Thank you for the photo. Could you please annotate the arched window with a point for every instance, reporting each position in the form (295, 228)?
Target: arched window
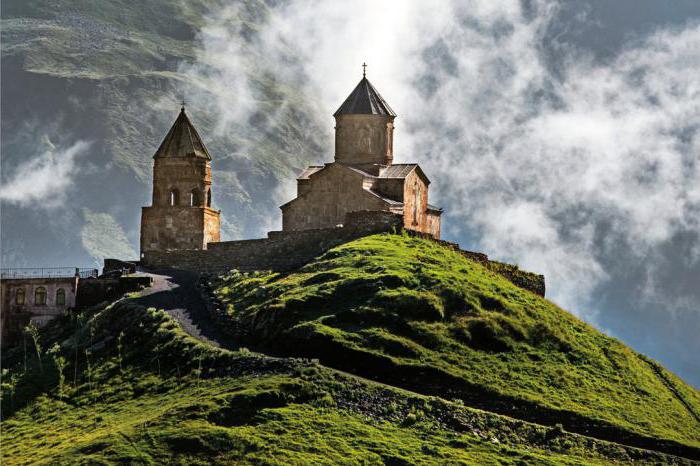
(40, 296)
(174, 197)
(195, 198)
(156, 196)
(60, 297)
(19, 296)
(208, 197)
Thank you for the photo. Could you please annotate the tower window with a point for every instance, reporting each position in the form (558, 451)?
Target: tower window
(195, 198)
(174, 197)
(156, 196)
(60, 297)
(208, 197)
(40, 296)
(19, 296)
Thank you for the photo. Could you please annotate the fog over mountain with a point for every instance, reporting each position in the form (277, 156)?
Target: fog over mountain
(563, 136)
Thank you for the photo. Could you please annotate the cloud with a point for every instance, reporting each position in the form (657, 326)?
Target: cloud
(559, 172)
(45, 179)
(542, 154)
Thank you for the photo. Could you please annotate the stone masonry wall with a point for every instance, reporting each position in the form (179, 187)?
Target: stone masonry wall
(288, 250)
(281, 250)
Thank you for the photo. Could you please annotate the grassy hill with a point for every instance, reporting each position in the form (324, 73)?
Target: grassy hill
(144, 392)
(408, 312)
(378, 352)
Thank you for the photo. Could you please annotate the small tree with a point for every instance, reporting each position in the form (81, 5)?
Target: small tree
(60, 363)
(120, 348)
(33, 332)
(80, 320)
(24, 344)
(9, 385)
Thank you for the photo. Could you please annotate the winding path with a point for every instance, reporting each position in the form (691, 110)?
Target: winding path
(175, 291)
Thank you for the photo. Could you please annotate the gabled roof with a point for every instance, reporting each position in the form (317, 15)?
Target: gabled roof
(182, 140)
(384, 198)
(365, 100)
(308, 171)
(402, 170)
(398, 170)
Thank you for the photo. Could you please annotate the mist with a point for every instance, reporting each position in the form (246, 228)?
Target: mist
(542, 154)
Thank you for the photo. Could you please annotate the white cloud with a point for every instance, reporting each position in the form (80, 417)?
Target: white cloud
(562, 174)
(45, 179)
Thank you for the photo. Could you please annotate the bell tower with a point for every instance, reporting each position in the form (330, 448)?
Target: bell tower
(180, 216)
(364, 129)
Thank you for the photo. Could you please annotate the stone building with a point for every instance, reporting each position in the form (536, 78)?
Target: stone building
(181, 216)
(34, 298)
(363, 176)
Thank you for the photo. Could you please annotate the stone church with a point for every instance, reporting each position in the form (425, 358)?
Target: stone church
(361, 192)
(363, 176)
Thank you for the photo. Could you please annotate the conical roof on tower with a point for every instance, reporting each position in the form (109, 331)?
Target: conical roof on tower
(182, 140)
(365, 100)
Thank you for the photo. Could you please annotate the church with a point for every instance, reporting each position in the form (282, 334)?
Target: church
(362, 178)
(361, 192)
(363, 175)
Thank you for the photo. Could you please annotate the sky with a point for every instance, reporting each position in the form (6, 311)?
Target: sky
(562, 136)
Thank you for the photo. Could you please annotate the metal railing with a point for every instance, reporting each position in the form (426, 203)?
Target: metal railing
(48, 272)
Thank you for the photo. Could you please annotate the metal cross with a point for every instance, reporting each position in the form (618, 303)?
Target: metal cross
(182, 104)
(364, 69)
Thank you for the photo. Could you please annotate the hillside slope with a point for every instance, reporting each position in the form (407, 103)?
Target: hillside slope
(409, 312)
(144, 392)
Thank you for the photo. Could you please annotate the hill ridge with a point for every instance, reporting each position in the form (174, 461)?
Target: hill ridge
(255, 311)
(204, 400)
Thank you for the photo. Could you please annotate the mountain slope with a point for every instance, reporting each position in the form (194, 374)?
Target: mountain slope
(113, 75)
(409, 312)
(144, 392)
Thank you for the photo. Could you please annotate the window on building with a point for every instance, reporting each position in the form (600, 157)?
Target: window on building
(208, 197)
(174, 197)
(195, 198)
(156, 196)
(19, 296)
(40, 296)
(60, 297)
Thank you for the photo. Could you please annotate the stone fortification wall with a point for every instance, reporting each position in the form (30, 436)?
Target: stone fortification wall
(280, 251)
(288, 250)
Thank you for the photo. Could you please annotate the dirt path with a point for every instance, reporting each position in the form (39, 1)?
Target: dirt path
(175, 292)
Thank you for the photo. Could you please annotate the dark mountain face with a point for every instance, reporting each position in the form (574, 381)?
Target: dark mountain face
(89, 91)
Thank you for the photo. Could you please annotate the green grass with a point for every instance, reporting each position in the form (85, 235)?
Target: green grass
(407, 311)
(152, 394)
(180, 422)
